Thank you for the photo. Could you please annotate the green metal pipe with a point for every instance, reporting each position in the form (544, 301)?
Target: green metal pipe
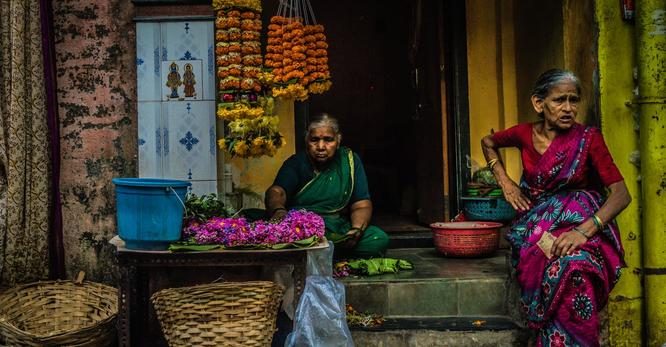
(651, 56)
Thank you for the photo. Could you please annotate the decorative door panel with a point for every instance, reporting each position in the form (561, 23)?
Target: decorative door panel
(192, 41)
(150, 139)
(188, 135)
(148, 61)
(177, 137)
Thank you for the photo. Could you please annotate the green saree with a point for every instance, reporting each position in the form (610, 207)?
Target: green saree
(328, 193)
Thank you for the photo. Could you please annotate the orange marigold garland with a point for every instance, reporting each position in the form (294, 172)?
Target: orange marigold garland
(251, 127)
(297, 52)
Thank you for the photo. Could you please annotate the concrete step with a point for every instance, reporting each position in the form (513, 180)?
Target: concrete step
(444, 331)
(404, 232)
(437, 287)
(442, 302)
(420, 239)
(430, 338)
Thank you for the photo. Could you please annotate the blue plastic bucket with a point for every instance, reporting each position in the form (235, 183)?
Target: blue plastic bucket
(149, 213)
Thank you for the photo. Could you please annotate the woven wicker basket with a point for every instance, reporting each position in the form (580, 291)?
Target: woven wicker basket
(58, 313)
(220, 314)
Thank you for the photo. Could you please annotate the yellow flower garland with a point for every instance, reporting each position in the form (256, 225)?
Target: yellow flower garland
(291, 91)
(319, 87)
(239, 111)
(249, 4)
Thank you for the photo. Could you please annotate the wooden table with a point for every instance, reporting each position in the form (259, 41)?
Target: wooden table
(143, 273)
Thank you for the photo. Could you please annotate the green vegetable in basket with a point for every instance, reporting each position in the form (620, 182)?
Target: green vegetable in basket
(484, 176)
(205, 206)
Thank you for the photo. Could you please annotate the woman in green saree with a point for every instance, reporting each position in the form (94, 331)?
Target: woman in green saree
(329, 180)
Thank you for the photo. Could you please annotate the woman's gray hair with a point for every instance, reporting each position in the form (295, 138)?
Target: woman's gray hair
(550, 78)
(323, 120)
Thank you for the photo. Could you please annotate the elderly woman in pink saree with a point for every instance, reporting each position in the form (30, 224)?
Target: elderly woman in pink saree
(566, 247)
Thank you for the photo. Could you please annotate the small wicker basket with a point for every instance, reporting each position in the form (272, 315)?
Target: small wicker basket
(54, 313)
(219, 314)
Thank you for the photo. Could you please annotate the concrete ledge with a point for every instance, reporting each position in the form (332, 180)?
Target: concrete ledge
(421, 338)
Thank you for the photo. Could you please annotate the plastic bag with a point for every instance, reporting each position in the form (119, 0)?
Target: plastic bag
(320, 261)
(321, 318)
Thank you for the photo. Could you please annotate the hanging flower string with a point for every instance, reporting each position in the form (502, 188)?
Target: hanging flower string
(318, 77)
(242, 103)
(298, 225)
(297, 52)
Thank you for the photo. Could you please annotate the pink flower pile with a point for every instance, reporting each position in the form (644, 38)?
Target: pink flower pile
(297, 225)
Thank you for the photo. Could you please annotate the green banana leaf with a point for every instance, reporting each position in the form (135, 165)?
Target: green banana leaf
(188, 246)
(378, 266)
(181, 246)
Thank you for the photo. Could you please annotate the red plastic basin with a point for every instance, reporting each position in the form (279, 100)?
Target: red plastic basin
(466, 239)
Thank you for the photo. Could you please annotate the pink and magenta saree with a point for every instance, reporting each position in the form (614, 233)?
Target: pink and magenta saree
(562, 295)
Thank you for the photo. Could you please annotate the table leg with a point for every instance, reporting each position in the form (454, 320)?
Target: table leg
(125, 304)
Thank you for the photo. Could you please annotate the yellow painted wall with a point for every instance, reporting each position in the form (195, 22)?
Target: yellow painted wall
(539, 47)
(257, 174)
(616, 62)
(491, 75)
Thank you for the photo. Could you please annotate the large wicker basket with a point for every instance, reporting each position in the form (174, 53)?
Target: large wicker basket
(220, 314)
(54, 313)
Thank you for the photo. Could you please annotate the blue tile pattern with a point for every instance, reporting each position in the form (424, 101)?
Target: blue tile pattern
(188, 56)
(156, 57)
(166, 141)
(192, 150)
(158, 142)
(189, 141)
(213, 140)
(211, 60)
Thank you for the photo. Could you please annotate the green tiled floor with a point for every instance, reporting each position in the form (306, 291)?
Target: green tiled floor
(437, 286)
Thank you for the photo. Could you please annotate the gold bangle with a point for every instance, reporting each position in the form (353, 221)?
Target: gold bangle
(581, 232)
(598, 221)
(492, 163)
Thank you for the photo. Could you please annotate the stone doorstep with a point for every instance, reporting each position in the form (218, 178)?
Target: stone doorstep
(422, 238)
(411, 240)
(466, 323)
(429, 338)
(437, 287)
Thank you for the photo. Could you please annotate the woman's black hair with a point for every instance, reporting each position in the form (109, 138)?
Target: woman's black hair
(550, 78)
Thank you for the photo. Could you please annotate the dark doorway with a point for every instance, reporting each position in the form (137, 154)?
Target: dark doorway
(384, 58)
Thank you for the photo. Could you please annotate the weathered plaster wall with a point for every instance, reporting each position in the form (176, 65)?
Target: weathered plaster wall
(97, 109)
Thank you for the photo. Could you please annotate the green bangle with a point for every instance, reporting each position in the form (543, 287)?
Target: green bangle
(597, 222)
